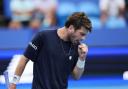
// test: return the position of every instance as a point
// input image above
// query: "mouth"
(76, 42)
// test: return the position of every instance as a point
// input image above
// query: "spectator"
(35, 24)
(46, 9)
(15, 25)
(126, 11)
(22, 11)
(112, 9)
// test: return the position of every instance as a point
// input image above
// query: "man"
(56, 54)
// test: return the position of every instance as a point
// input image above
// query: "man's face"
(76, 36)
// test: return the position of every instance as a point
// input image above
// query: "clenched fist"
(82, 51)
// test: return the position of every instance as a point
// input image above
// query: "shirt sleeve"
(34, 47)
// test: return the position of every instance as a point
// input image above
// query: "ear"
(71, 28)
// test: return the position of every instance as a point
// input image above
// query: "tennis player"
(56, 54)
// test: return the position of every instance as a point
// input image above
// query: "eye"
(82, 34)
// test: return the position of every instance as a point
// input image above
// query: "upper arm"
(34, 48)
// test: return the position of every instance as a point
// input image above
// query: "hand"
(12, 86)
(82, 51)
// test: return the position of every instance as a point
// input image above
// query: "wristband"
(80, 64)
(15, 79)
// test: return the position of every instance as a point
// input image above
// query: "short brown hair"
(79, 19)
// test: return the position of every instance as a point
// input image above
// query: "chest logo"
(70, 58)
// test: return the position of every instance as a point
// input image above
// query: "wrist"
(15, 79)
(80, 63)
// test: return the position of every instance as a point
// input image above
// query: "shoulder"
(47, 32)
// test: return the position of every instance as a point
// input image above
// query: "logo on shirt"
(33, 46)
(70, 58)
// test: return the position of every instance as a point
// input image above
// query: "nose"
(83, 37)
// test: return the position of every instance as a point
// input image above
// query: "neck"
(62, 33)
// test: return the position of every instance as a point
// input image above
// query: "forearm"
(79, 69)
(18, 72)
(19, 69)
(77, 72)
(21, 65)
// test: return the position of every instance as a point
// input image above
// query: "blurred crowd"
(37, 14)
(33, 13)
(113, 12)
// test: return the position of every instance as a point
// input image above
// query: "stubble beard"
(73, 40)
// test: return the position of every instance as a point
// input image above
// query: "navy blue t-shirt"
(52, 65)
